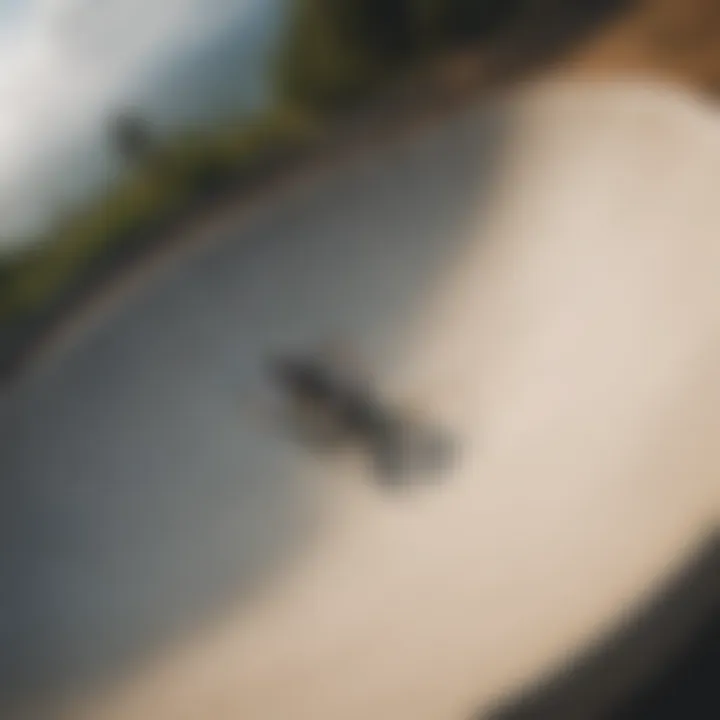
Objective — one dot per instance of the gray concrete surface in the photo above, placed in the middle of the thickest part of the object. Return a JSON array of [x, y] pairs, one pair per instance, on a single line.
[[139, 495]]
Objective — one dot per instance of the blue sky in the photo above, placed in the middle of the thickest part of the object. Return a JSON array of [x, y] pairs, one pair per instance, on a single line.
[[64, 64]]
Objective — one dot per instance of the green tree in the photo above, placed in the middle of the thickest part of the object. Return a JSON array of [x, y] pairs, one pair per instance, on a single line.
[[321, 66], [131, 137], [336, 50], [459, 22]]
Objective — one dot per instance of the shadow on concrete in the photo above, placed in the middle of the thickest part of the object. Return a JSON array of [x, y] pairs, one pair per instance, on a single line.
[[662, 664]]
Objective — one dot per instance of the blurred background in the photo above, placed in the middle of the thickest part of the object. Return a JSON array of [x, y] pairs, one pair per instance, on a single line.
[[123, 120], [186, 185]]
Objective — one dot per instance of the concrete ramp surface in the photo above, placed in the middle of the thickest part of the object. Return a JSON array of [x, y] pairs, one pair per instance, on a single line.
[[542, 276]]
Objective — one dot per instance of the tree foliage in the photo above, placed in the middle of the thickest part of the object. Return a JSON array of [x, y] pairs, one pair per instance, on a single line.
[[335, 50], [131, 137]]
